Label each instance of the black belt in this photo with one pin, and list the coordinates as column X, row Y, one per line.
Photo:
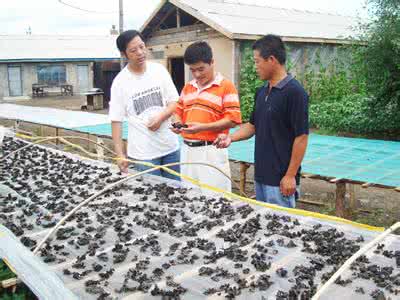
column 197, row 143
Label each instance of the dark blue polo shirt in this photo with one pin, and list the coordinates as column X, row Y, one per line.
column 279, row 117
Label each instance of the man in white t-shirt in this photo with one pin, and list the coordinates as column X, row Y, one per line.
column 144, row 94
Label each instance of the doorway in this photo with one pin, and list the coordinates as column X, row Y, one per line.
column 104, row 74
column 83, row 78
column 177, row 70
column 15, row 80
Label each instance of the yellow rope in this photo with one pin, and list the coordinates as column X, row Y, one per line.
column 168, row 170
column 244, row 199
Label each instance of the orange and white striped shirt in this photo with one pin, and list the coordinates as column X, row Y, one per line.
column 216, row 101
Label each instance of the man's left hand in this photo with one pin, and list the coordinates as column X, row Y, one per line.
column 288, row 185
column 194, row 128
column 154, row 123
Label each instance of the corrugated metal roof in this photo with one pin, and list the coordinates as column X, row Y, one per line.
column 240, row 20
column 51, row 48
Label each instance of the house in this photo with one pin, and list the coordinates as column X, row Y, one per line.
column 52, row 61
column 231, row 27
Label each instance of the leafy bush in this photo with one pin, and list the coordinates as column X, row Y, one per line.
column 352, row 114
column 339, row 101
column 379, row 59
column 249, row 83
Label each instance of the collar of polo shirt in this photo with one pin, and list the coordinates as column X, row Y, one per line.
column 217, row 81
column 281, row 84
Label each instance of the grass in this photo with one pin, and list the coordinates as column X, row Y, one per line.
column 22, row 292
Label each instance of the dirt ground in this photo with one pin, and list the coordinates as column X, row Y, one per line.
column 62, row 102
column 374, row 206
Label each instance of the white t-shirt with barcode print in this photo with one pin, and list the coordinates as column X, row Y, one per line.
column 137, row 99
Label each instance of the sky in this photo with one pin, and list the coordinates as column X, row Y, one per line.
column 53, row 17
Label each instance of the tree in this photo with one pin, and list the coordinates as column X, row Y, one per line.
column 380, row 57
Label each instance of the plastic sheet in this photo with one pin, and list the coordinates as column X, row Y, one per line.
column 30, row 269
column 154, row 236
column 51, row 116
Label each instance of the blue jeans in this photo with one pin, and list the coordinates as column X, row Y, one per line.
column 169, row 158
column 272, row 194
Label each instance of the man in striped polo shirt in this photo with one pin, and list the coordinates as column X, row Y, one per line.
column 208, row 106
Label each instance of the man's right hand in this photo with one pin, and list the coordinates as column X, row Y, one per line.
column 222, row 141
column 123, row 165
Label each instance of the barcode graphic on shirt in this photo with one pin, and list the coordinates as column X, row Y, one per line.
column 140, row 104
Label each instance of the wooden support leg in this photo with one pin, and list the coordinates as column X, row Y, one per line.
column 8, row 283
column 57, row 135
column 353, row 202
column 340, row 198
column 16, row 126
column 100, row 150
column 243, row 175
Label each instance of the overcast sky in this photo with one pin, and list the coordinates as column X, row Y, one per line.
column 52, row 17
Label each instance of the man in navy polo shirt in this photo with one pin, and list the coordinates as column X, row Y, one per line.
column 279, row 122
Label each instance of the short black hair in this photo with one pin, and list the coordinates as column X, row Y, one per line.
column 271, row 45
column 124, row 38
column 198, row 52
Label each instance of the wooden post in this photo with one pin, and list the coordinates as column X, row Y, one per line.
column 16, row 126
column 243, row 174
column 236, row 62
column 99, row 149
column 12, row 282
column 121, row 28
column 340, row 198
column 178, row 18
column 304, row 66
column 88, row 142
column 352, row 203
column 57, row 135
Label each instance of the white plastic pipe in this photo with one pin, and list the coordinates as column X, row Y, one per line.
column 108, row 187
column 40, row 140
column 83, row 203
column 348, row 262
column 63, row 139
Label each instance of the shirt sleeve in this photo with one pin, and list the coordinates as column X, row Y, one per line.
column 117, row 111
column 298, row 113
column 170, row 94
column 231, row 104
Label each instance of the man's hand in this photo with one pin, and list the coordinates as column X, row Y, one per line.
column 155, row 123
column 175, row 130
column 123, row 165
column 194, row 127
column 222, row 141
column 288, row 185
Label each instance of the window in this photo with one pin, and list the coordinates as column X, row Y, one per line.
column 187, row 19
column 171, row 20
column 51, row 75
